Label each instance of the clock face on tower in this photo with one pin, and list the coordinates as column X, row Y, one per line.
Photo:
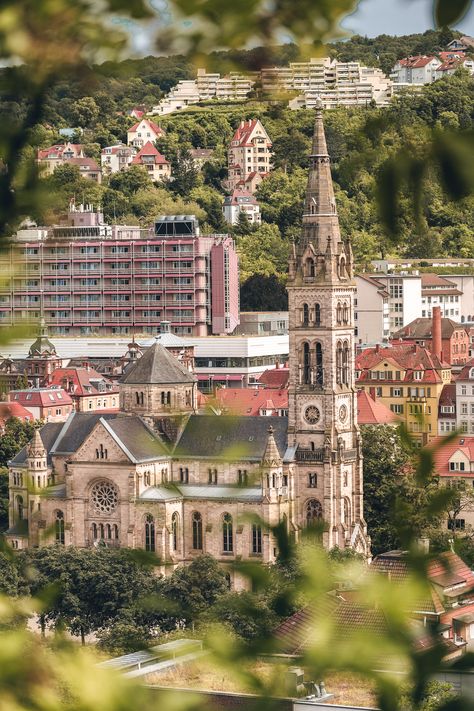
column 343, row 412
column 312, row 414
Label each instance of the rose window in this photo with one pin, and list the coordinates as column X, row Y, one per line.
column 104, row 497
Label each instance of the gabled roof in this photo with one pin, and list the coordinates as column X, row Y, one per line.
column 85, row 381
column 149, row 150
column 40, row 397
column 157, row 366
column 442, row 455
column 407, row 357
column 58, row 149
column 447, row 398
column 416, row 62
column 243, row 133
column 83, row 162
column 151, row 124
column 373, row 412
column 275, row 377
column 14, row 409
column 230, row 438
column 465, row 372
column 420, row 328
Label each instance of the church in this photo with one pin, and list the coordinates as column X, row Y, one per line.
column 160, row 477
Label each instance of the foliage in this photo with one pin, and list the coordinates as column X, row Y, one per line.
column 263, row 293
column 195, row 587
column 246, row 613
column 263, row 252
column 4, row 479
column 15, row 436
column 124, row 636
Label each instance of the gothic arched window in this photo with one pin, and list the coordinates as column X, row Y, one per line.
column 317, row 314
column 342, row 268
column 20, row 508
column 345, row 316
column 306, row 363
column 345, row 363
column 197, row 531
column 339, row 313
column 314, row 512
column 256, row 538
column 227, row 534
column 339, row 363
column 149, row 533
column 59, row 527
column 305, row 315
column 346, row 513
column 310, row 271
column 319, row 364
column 174, row 531
column 94, row 531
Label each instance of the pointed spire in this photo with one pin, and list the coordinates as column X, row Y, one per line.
column 271, row 456
column 36, row 447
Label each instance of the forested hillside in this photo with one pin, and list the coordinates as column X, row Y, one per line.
column 362, row 141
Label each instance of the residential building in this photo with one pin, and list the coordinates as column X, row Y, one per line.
column 371, row 310
column 13, row 409
column 241, row 202
column 49, row 158
column 88, row 168
column 249, row 156
column 145, row 131
column 201, row 156
column 116, row 158
column 408, row 380
column 104, row 478
column 465, row 399
column 328, row 80
column 454, row 464
column 396, row 265
column 153, row 161
column 88, row 389
column 465, row 284
column 454, row 337
column 47, row 404
column 206, row 87
column 451, row 64
column 371, row 411
column 404, row 299
column 464, row 43
column 447, row 409
column 420, row 69
column 88, row 277
column 439, row 291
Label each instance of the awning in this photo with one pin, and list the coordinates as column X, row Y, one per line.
column 467, row 618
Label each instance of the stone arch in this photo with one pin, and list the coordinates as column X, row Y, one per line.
column 313, row 512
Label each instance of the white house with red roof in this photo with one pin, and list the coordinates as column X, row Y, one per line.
column 249, row 156
column 241, row 202
column 420, row 69
column 13, row 409
column 116, row 158
column 89, row 390
column 48, row 404
column 451, row 64
column 49, row 158
column 143, row 132
column 150, row 158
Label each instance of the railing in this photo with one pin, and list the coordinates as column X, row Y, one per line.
column 310, row 455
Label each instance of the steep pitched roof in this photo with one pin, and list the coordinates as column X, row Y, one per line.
column 275, row 377
column 447, row 398
column 243, row 133
column 14, row 409
column 85, row 381
column 416, row 62
column 466, row 371
column 408, row 358
column 157, row 366
column 421, row 328
column 149, row 150
column 443, row 454
column 373, row 412
column 230, row 438
column 151, row 124
column 249, row 401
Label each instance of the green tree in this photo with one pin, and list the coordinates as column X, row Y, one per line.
column 131, row 180
column 263, row 252
column 124, row 636
column 86, row 112
column 263, row 293
column 246, row 613
column 3, row 499
column 195, row 587
column 14, row 438
column 185, row 175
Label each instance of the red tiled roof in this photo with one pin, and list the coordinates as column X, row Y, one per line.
column 275, row 377
column 404, row 356
column 421, row 328
column 40, row 397
column 250, row 401
column 373, row 412
column 14, row 409
column 151, row 124
column 449, row 570
column 429, row 279
column 464, row 374
column 84, row 381
column 149, row 150
column 57, row 150
column 443, row 454
column 244, row 131
column 447, row 398
column 90, row 162
column 416, row 62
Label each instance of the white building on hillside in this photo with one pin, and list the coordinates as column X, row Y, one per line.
column 371, row 310
column 465, row 399
column 241, row 202
column 116, row 158
column 404, row 297
column 143, row 132
column 420, row 69
column 249, row 156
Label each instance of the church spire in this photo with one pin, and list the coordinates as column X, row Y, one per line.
column 320, row 231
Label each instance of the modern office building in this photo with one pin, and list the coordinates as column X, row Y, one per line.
column 87, row 277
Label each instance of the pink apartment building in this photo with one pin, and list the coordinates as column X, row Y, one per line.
column 86, row 277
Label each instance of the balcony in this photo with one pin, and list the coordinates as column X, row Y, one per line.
column 310, row 455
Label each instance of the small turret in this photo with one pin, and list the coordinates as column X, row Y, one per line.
column 271, row 457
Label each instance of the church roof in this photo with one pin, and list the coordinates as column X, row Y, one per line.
column 199, row 492
column 49, row 433
column 228, row 437
column 157, row 366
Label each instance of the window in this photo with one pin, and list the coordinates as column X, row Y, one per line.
column 458, row 524
column 227, row 534
column 319, row 364
column 312, row 480
column 212, row 476
column 59, row 527
column 314, row 512
column 256, row 539
column 317, row 315
column 184, row 475
column 101, row 452
column 397, row 409
column 305, row 315
column 197, row 531
column 139, row 398
column 242, row 477
column 20, row 508
column 174, row 531
column 456, row 466
column 149, row 533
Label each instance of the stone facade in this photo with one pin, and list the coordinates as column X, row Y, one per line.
column 160, row 477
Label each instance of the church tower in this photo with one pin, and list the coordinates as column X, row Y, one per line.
column 322, row 424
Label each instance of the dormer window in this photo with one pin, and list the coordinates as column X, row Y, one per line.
column 418, row 374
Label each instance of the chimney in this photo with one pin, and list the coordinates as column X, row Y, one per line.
column 436, row 343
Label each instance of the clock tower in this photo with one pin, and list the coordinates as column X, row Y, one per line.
column 322, row 428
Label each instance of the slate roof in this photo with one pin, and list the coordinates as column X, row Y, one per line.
column 230, row 437
column 138, row 439
column 157, row 366
column 49, row 433
column 197, row 492
column 421, row 328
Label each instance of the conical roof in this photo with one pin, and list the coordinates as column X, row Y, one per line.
column 42, row 346
column 36, row 447
column 157, row 366
column 271, row 455
column 320, row 220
